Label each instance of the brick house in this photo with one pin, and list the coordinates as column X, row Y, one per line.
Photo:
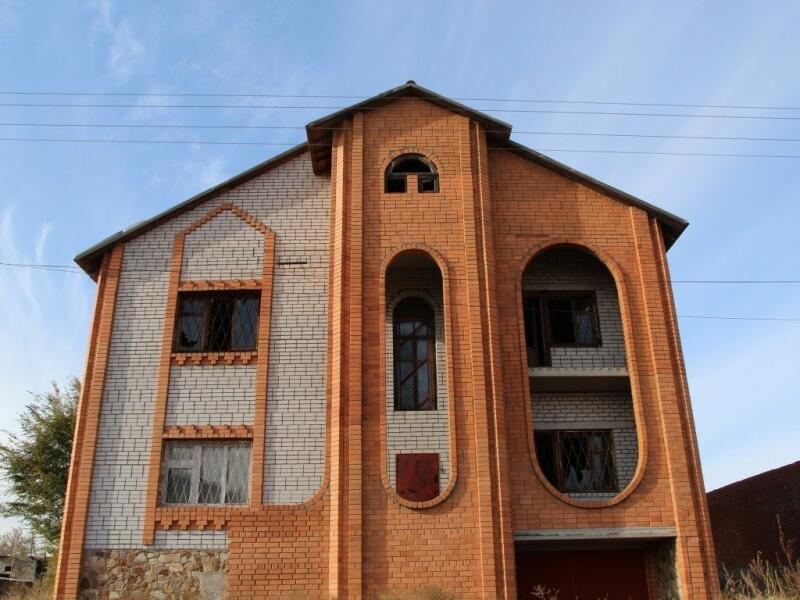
column 750, row 516
column 408, row 353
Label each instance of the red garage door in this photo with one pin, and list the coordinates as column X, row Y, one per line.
column 583, row 574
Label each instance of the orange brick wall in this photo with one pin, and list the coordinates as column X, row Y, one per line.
column 494, row 211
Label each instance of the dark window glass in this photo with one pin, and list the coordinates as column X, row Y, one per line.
column 578, row 461
column 558, row 318
column 414, row 356
column 427, row 178
column 217, row 322
column 395, row 184
column 559, row 312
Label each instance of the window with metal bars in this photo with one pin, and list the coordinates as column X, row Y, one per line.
column 216, row 321
column 578, row 461
column 559, row 319
column 205, row 473
column 411, row 164
column 414, row 356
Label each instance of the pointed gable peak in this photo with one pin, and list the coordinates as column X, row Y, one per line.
column 320, row 132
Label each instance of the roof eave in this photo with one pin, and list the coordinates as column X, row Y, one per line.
column 89, row 259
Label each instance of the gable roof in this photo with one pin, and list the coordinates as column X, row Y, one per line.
column 320, row 132
column 320, row 137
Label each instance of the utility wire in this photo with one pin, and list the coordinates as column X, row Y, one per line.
column 302, row 127
column 77, row 271
column 363, row 97
column 481, row 109
column 698, row 281
column 504, row 148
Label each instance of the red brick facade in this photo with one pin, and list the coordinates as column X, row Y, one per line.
column 496, row 209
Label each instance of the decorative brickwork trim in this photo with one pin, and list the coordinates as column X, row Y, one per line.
column 86, row 429
column 195, row 518
column 701, row 512
column 196, row 432
column 213, row 358
column 480, row 385
column 336, row 360
column 391, row 255
column 203, row 285
column 505, row 538
column 633, row 369
column 262, row 373
column 354, row 361
column 168, row 358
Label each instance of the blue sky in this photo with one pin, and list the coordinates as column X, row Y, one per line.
column 57, row 199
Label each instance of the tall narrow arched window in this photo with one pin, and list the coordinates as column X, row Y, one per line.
column 414, row 356
column 411, row 164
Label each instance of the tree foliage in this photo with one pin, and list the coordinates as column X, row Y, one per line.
column 35, row 462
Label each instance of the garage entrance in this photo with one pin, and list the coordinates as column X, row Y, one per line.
column 607, row 574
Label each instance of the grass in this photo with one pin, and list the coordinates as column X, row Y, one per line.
column 765, row 580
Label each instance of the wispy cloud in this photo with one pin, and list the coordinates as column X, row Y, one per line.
column 126, row 49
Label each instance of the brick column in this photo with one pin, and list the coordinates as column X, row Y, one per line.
column 477, row 364
column 697, row 578
column 76, row 508
column 502, row 505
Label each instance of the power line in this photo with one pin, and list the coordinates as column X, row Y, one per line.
column 77, row 271
column 698, row 281
column 482, row 109
column 302, row 127
column 364, row 97
column 504, row 148
column 792, row 319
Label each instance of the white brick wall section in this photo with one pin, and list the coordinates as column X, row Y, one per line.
column 569, row 269
column 417, row 431
column 224, row 248
column 595, row 410
column 211, row 395
column 294, row 203
column 191, row 540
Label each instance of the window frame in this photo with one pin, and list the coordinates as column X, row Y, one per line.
column 433, row 400
column 195, row 465
column 396, row 176
column 207, row 298
column 545, row 334
column 556, row 437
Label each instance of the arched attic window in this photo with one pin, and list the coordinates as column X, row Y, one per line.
column 411, row 164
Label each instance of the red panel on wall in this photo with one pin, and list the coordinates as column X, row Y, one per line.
column 418, row 476
column 584, row 574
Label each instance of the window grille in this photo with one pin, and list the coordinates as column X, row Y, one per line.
column 578, row 461
column 217, row 322
column 205, row 473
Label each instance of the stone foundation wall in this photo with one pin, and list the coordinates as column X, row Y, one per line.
column 140, row 575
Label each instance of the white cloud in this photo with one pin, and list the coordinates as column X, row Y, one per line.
column 125, row 52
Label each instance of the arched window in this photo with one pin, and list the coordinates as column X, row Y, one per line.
column 414, row 356
column 411, row 164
